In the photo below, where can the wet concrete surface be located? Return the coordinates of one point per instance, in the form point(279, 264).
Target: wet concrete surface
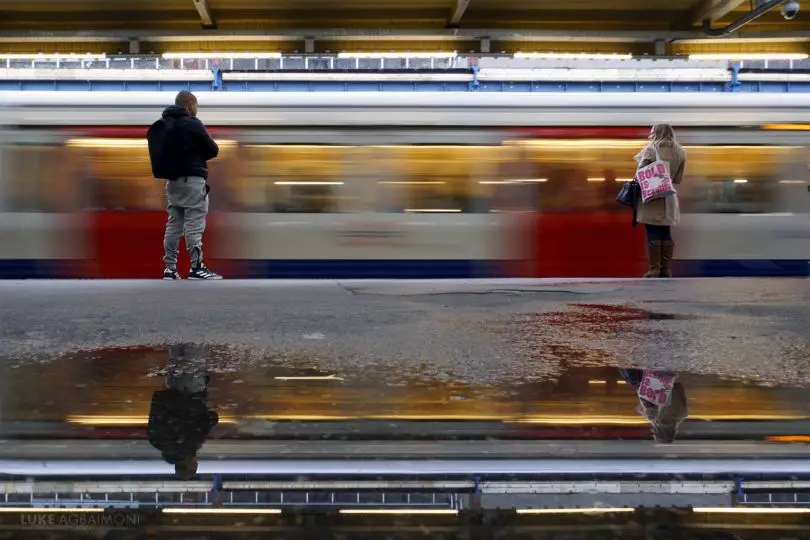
point(468, 331)
point(507, 359)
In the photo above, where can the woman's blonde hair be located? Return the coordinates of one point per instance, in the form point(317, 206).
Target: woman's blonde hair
point(663, 133)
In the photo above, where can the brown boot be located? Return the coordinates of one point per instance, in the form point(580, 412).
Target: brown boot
point(654, 256)
point(667, 250)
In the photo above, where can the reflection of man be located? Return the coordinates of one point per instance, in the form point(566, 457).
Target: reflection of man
point(179, 419)
point(665, 419)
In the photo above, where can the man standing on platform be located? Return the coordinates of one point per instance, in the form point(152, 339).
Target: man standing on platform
point(179, 147)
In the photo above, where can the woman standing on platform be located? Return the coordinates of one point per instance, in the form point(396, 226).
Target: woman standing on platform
point(659, 215)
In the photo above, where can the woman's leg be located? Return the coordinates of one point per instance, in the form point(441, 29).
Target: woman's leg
point(653, 251)
point(667, 251)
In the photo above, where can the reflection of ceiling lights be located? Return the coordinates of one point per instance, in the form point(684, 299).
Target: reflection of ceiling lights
point(311, 378)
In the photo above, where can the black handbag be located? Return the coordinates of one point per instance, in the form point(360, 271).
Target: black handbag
point(630, 195)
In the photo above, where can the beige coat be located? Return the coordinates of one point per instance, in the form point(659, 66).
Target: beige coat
point(664, 211)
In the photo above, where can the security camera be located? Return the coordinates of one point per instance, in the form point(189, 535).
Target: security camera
point(790, 9)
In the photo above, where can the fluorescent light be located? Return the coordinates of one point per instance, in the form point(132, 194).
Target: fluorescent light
point(740, 181)
point(123, 143)
point(399, 511)
point(226, 511)
point(52, 57)
point(597, 382)
point(573, 510)
point(596, 179)
point(792, 182)
point(434, 210)
point(748, 56)
point(410, 54)
point(313, 378)
point(624, 179)
point(572, 56)
point(294, 183)
point(234, 55)
point(417, 183)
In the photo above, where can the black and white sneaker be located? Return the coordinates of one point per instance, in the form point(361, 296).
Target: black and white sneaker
point(170, 274)
point(202, 272)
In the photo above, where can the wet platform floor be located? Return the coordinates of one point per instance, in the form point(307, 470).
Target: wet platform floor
point(523, 360)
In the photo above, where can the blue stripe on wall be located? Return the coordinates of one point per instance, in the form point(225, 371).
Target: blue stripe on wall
point(31, 269)
point(366, 269)
point(742, 268)
point(421, 269)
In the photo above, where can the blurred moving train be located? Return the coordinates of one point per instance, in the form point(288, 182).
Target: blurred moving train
point(405, 185)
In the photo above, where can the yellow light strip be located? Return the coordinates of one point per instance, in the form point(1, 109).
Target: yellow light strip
point(124, 143)
point(124, 420)
point(787, 127)
point(530, 511)
point(550, 420)
point(233, 55)
point(740, 181)
point(624, 179)
point(223, 511)
point(596, 179)
point(597, 382)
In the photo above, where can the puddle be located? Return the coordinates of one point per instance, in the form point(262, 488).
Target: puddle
point(108, 393)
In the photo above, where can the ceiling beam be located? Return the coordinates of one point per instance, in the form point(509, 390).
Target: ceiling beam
point(204, 10)
point(458, 12)
point(712, 10)
point(376, 34)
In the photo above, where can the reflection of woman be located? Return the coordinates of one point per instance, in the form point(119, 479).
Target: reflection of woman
point(659, 215)
point(667, 419)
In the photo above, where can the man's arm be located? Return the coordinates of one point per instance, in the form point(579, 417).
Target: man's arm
point(209, 146)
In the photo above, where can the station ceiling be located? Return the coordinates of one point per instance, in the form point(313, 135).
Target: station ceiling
point(636, 26)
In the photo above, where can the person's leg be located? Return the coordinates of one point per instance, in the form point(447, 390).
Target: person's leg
point(174, 230)
point(667, 252)
point(195, 217)
point(653, 251)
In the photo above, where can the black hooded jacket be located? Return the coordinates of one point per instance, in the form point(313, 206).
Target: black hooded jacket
point(179, 145)
point(179, 424)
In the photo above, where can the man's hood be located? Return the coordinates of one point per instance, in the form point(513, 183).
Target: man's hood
point(174, 111)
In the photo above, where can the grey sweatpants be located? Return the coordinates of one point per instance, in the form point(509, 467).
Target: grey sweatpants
point(187, 207)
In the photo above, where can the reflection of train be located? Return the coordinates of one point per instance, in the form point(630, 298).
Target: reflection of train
point(404, 185)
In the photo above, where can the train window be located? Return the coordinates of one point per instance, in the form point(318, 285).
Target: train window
point(116, 175)
point(734, 179)
point(578, 175)
point(34, 178)
point(293, 179)
point(435, 179)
